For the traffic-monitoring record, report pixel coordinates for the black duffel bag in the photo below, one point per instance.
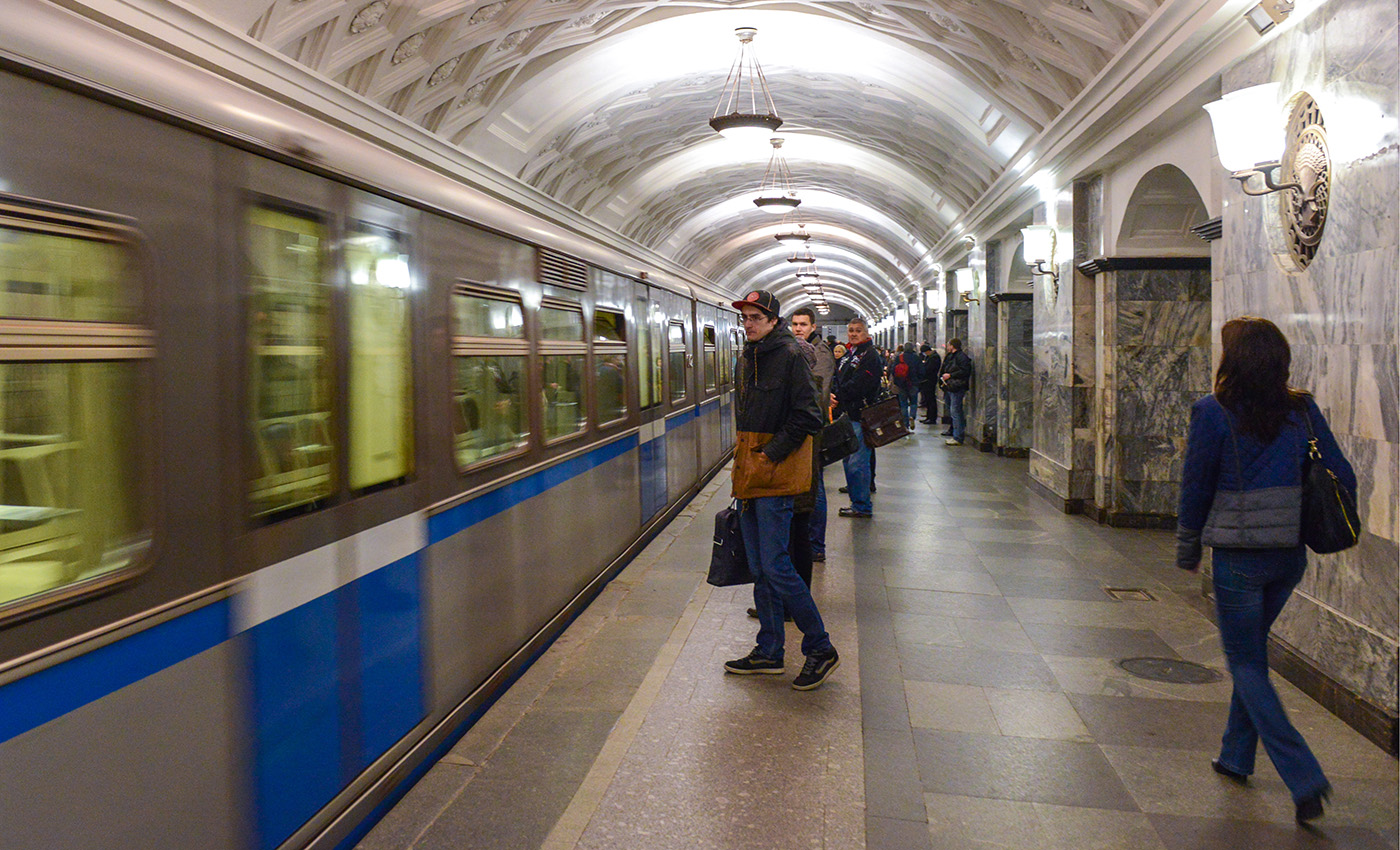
(729, 563)
(839, 440)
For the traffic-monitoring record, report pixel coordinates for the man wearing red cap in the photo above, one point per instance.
(776, 416)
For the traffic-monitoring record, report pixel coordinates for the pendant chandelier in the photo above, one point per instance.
(776, 194)
(796, 233)
(803, 258)
(746, 89)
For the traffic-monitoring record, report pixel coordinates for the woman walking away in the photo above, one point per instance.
(1241, 493)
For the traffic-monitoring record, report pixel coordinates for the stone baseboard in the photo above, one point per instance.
(1069, 506)
(1012, 451)
(1126, 519)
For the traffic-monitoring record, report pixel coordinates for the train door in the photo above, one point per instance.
(649, 321)
(710, 385)
(682, 430)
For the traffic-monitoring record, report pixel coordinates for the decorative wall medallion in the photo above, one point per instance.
(444, 71)
(369, 16)
(587, 20)
(1306, 163)
(408, 48)
(475, 93)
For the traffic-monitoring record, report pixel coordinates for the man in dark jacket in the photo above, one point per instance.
(776, 415)
(957, 377)
(804, 325)
(928, 388)
(857, 384)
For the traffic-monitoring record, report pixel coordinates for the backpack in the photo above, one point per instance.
(901, 371)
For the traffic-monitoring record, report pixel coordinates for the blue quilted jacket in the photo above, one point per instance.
(1211, 464)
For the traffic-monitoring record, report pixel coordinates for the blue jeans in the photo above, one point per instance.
(817, 524)
(857, 465)
(777, 589)
(955, 410)
(1251, 588)
(908, 404)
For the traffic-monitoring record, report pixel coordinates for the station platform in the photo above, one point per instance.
(979, 703)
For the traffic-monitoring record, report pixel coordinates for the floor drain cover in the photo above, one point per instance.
(1130, 594)
(1170, 670)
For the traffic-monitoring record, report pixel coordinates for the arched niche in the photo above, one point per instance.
(1160, 214)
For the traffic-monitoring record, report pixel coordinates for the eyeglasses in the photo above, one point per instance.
(755, 317)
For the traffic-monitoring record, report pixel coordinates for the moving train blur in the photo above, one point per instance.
(304, 453)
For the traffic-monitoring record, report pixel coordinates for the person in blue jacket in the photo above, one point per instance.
(1251, 435)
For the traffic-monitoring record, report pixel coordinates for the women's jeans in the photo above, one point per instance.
(1251, 588)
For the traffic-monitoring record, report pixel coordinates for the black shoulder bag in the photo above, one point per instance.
(729, 563)
(1330, 520)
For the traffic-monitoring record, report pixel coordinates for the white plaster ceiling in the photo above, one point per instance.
(898, 115)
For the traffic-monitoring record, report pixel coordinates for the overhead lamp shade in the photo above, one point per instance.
(1248, 126)
(809, 272)
(808, 258)
(1038, 243)
(746, 128)
(964, 278)
(779, 204)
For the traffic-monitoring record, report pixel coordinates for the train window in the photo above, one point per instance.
(610, 364)
(489, 378)
(562, 350)
(381, 392)
(726, 373)
(290, 374)
(73, 518)
(711, 359)
(675, 342)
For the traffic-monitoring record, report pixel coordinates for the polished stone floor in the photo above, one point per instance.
(978, 704)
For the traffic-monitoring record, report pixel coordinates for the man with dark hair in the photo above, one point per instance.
(957, 377)
(857, 384)
(804, 326)
(772, 464)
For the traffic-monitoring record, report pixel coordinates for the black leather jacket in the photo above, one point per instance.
(776, 393)
(857, 381)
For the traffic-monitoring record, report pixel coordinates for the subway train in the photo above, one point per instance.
(308, 447)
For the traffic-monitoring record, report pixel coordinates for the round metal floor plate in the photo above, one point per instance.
(1170, 670)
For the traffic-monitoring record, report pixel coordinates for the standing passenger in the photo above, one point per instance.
(1252, 436)
(857, 384)
(777, 413)
(933, 367)
(957, 377)
(804, 326)
(907, 373)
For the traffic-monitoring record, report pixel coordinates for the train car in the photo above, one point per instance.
(307, 449)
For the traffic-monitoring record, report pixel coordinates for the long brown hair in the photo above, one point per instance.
(1252, 381)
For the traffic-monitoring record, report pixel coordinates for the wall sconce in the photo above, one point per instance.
(1264, 16)
(1038, 248)
(1295, 161)
(967, 281)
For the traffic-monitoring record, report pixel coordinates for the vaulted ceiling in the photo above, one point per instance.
(898, 116)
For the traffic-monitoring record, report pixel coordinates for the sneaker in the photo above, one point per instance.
(951, 442)
(819, 557)
(815, 670)
(843, 489)
(852, 512)
(754, 663)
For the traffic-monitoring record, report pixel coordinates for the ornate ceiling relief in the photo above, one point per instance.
(460, 68)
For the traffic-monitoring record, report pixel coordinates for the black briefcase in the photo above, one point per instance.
(729, 563)
(839, 440)
(882, 423)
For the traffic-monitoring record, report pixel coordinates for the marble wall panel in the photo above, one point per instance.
(1163, 323)
(1146, 497)
(1049, 473)
(1150, 458)
(1162, 284)
(1156, 412)
(1015, 402)
(1150, 367)
(1053, 431)
(1363, 660)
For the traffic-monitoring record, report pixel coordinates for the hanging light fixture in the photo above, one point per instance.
(796, 233)
(803, 258)
(776, 194)
(730, 120)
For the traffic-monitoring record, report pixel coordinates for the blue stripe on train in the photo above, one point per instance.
(465, 515)
(41, 697)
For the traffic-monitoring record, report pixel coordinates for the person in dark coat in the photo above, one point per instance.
(857, 384)
(957, 378)
(906, 373)
(1252, 436)
(776, 417)
(928, 387)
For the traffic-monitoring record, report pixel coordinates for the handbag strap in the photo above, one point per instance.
(1314, 453)
(1229, 426)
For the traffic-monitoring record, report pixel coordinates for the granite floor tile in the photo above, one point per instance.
(1101, 676)
(1180, 782)
(952, 581)
(891, 834)
(951, 708)
(1036, 714)
(892, 787)
(1093, 641)
(1053, 587)
(1025, 769)
(1041, 551)
(937, 603)
(999, 635)
(1188, 833)
(912, 629)
(1176, 724)
(981, 667)
(957, 822)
